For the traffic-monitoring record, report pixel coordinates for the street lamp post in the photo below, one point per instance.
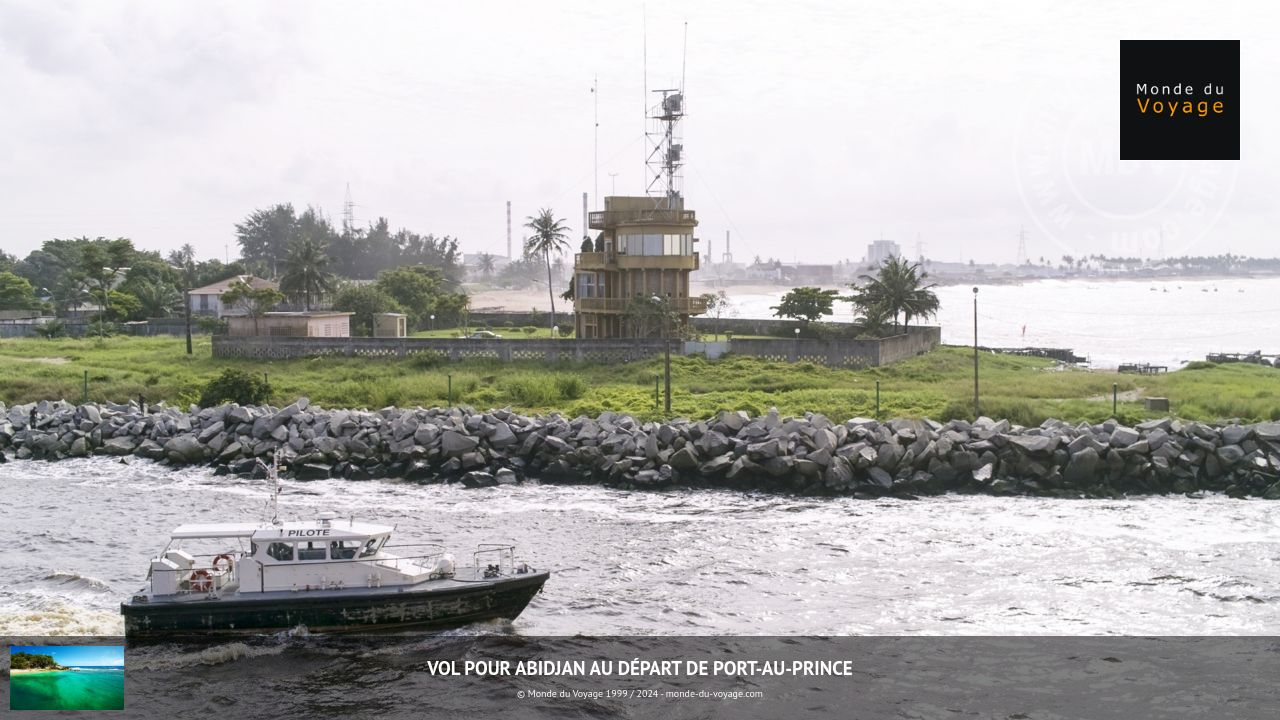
(796, 347)
(433, 323)
(666, 354)
(976, 412)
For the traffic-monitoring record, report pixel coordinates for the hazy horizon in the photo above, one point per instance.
(813, 128)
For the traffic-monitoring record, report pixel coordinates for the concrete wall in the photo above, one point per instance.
(280, 348)
(836, 353)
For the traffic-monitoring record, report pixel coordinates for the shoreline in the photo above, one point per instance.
(806, 455)
(36, 671)
(490, 299)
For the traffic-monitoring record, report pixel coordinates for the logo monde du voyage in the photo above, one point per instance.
(1179, 99)
(1173, 100)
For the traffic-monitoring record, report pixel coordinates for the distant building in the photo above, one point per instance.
(647, 251)
(809, 274)
(769, 270)
(292, 324)
(880, 250)
(390, 325)
(207, 300)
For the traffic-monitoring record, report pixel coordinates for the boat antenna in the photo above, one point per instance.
(274, 474)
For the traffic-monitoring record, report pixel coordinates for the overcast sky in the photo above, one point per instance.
(813, 127)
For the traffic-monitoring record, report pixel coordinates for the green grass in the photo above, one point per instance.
(937, 385)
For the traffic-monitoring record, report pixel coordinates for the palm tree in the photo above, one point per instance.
(896, 289)
(486, 264)
(159, 300)
(549, 235)
(182, 257)
(306, 273)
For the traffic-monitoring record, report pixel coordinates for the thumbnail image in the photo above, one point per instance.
(66, 677)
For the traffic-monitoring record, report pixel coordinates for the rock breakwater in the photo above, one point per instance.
(810, 454)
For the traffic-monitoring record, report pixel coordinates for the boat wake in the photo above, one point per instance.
(75, 581)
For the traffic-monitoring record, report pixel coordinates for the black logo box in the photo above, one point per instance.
(1189, 65)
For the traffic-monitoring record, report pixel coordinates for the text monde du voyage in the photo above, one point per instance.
(1180, 100)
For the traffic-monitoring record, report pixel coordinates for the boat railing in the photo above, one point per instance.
(491, 552)
(203, 580)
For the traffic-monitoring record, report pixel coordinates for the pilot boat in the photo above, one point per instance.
(327, 574)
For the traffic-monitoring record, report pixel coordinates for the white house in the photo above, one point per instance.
(207, 300)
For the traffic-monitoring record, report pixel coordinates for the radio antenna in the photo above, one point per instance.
(684, 55)
(644, 66)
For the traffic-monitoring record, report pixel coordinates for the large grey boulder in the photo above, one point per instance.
(1082, 467)
(454, 443)
(184, 448)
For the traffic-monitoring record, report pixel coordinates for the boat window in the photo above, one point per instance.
(310, 552)
(283, 552)
(371, 547)
(343, 549)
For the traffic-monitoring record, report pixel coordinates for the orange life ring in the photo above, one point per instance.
(201, 581)
(230, 561)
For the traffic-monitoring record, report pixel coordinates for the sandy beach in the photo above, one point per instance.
(491, 300)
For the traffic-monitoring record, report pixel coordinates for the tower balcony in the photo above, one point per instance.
(680, 305)
(615, 261)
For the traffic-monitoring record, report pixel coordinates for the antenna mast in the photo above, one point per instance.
(595, 96)
(1022, 246)
(348, 213)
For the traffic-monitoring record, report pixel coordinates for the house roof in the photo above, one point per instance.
(222, 286)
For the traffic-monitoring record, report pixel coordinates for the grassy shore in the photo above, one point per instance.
(937, 385)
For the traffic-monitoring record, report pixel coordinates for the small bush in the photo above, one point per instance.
(1201, 365)
(101, 328)
(235, 386)
(50, 330)
(211, 325)
(528, 330)
(570, 387)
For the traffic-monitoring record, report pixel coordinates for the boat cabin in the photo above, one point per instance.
(325, 553)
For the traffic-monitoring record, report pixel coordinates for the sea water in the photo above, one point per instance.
(1166, 321)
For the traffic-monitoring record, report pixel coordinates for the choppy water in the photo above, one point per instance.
(1163, 322)
(78, 535)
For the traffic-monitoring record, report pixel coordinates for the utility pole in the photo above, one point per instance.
(509, 257)
(976, 412)
(187, 300)
(664, 304)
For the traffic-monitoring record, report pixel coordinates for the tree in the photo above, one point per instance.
(650, 315)
(264, 236)
(16, 293)
(100, 265)
(717, 306)
(7, 261)
(420, 291)
(183, 256)
(306, 273)
(897, 289)
(255, 302)
(122, 306)
(486, 264)
(365, 301)
(156, 300)
(806, 304)
(549, 236)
